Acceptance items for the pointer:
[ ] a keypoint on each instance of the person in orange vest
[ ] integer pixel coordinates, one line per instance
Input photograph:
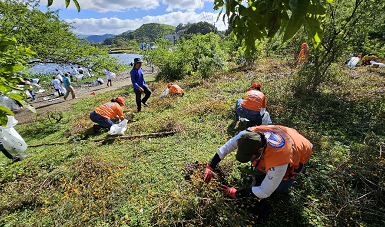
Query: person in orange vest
(366, 60)
(279, 152)
(253, 106)
(104, 113)
(303, 55)
(174, 89)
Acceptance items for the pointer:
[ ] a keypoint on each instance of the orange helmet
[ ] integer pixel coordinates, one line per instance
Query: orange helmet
(120, 99)
(304, 45)
(359, 56)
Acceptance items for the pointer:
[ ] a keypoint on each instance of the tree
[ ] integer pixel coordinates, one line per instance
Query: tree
(50, 37)
(12, 60)
(256, 19)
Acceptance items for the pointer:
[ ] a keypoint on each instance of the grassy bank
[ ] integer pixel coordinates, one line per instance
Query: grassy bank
(158, 181)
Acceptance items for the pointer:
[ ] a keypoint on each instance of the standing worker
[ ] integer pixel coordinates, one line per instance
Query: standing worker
(104, 113)
(279, 152)
(139, 84)
(56, 85)
(67, 85)
(303, 54)
(253, 106)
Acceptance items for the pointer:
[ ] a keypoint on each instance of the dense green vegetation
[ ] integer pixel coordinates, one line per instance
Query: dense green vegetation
(146, 33)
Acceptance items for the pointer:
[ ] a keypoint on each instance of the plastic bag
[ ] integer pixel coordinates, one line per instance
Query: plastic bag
(118, 129)
(79, 76)
(11, 140)
(164, 93)
(113, 75)
(266, 120)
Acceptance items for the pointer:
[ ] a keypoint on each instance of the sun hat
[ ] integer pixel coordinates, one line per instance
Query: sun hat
(248, 144)
(120, 99)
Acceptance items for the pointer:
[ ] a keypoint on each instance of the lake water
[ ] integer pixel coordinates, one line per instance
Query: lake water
(50, 67)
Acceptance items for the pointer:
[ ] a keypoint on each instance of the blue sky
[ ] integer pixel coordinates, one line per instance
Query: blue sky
(98, 17)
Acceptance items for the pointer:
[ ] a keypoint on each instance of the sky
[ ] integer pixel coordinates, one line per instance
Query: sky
(99, 17)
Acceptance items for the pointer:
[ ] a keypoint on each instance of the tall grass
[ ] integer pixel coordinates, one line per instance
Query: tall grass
(158, 181)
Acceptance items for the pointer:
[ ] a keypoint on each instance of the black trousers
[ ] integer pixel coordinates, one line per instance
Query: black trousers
(139, 99)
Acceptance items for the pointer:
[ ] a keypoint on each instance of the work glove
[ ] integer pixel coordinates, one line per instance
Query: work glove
(229, 191)
(208, 174)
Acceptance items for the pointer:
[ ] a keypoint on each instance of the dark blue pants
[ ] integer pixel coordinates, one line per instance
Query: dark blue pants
(139, 99)
(102, 121)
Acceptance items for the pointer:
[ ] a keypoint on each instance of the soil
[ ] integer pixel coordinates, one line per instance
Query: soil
(82, 91)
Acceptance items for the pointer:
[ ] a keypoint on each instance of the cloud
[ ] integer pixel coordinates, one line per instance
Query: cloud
(103, 6)
(117, 26)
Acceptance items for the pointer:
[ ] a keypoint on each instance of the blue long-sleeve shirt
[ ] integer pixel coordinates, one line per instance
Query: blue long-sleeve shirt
(137, 78)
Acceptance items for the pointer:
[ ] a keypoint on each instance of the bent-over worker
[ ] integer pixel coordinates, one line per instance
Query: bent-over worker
(279, 152)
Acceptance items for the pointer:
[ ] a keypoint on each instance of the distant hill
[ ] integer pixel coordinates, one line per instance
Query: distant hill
(146, 33)
(99, 38)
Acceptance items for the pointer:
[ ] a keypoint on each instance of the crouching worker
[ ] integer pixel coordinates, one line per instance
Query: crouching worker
(253, 106)
(104, 113)
(277, 151)
(174, 89)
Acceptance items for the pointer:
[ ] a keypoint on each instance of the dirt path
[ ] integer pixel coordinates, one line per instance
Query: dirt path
(43, 106)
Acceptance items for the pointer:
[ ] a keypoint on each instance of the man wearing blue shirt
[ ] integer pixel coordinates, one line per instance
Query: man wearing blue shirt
(139, 84)
(67, 85)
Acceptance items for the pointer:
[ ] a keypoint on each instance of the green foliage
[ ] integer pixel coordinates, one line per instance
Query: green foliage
(257, 19)
(201, 54)
(147, 33)
(50, 37)
(67, 3)
(12, 59)
(201, 27)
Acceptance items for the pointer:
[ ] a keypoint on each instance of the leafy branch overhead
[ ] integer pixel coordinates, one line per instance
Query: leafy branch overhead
(12, 59)
(67, 3)
(256, 19)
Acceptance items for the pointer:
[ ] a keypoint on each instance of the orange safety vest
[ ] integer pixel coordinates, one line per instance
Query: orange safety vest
(283, 146)
(303, 56)
(109, 110)
(367, 59)
(254, 100)
(175, 89)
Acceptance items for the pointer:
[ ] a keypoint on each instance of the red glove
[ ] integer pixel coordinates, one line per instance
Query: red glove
(229, 191)
(208, 174)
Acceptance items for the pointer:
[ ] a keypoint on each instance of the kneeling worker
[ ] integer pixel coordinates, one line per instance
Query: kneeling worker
(253, 106)
(277, 151)
(174, 89)
(104, 113)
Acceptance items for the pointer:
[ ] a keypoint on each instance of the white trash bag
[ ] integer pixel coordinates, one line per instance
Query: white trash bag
(118, 129)
(266, 120)
(164, 93)
(113, 75)
(11, 140)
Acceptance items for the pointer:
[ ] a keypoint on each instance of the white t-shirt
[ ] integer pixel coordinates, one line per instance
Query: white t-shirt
(74, 71)
(35, 81)
(100, 80)
(108, 75)
(56, 84)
